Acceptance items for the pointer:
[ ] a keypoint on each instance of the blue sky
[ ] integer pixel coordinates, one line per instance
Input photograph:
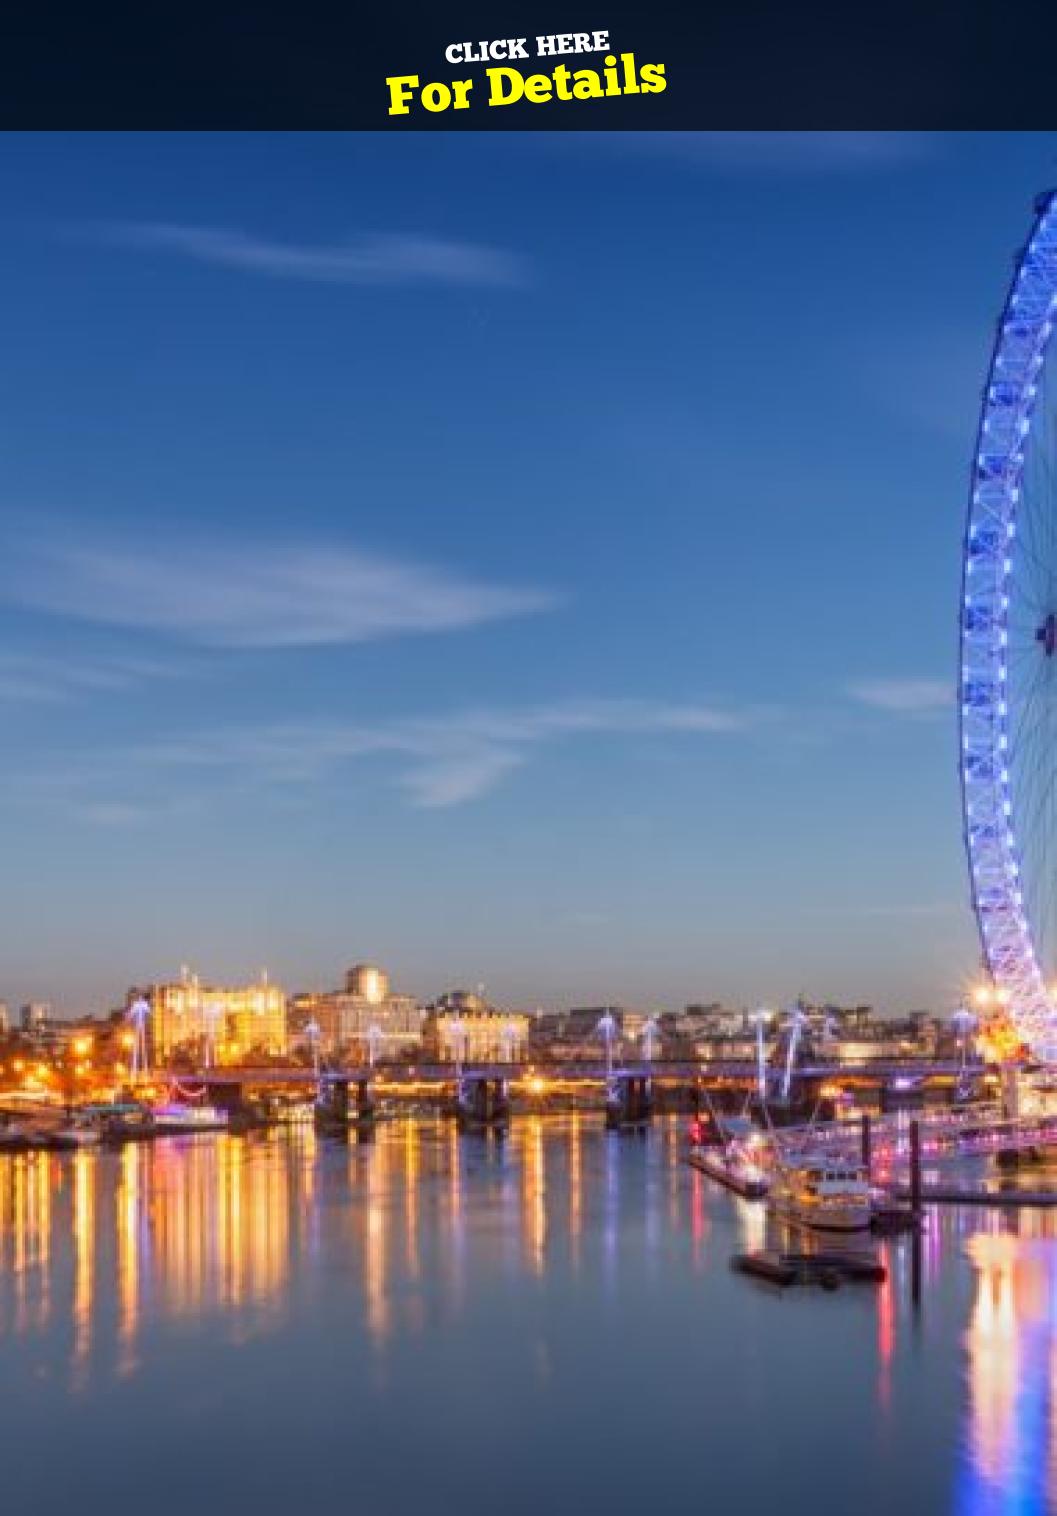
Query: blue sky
(529, 558)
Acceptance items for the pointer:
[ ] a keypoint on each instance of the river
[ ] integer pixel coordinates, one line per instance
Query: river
(548, 1323)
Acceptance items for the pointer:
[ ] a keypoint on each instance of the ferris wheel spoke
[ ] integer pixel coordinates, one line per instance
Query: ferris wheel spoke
(1009, 646)
(1044, 910)
(1029, 709)
(1028, 549)
(1035, 820)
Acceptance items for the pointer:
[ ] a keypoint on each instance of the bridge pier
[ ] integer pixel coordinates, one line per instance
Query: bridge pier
(629, 1101)
(345, 1101)
(809, 1097)
(226, 1096)
(482, 1102)
(896, 1096)
(366, 1112)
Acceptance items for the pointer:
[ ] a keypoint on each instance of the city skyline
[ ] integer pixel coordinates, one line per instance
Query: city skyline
(555, 588)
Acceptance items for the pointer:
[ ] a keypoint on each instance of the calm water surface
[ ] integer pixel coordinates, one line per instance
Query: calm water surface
(549, 1323)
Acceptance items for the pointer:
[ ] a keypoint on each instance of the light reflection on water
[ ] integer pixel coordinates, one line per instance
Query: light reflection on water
(1012, 1352)
(281, 1285)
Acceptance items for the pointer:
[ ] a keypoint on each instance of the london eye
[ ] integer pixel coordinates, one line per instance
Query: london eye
(1008, 684)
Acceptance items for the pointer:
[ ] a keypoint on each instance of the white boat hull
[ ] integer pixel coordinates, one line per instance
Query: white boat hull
(73, 1137)
(830, 1218)
(744, 1179)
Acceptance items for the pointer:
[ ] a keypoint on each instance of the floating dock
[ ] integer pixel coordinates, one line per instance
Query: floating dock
(945, 1195)
(829, 1270)
(750, 1186)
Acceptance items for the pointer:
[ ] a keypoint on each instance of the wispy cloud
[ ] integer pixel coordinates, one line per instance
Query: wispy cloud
(438, 762)
(111, 813)
(45, 679)
(910, 697)
(783, 152)
(375, 258)
(442, 761)
(251, 596)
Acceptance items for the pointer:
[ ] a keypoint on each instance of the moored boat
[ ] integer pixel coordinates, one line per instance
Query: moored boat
(734, 1169)
(729, 1149)
(15, 1137)
(78, 1132)
(822, 1192)
(176, 1116)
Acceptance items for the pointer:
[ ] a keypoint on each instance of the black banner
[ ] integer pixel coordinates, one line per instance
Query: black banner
(483, 67)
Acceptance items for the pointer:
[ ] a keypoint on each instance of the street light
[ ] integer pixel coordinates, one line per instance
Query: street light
(138, 1012)
(964, 1020)
(312, 1033)
(607, 1030)
(760, 1018)
(457, 1033)
(211, 1015)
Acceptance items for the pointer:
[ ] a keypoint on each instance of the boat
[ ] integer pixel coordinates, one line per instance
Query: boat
(175, 1117)
(78, 1132)
(733, 1158)
(129, 1122)
(728, 1167)
(821, 1191)
(16, 1137)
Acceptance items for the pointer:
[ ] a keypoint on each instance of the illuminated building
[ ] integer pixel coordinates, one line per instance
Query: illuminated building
(464, 1027)
(365, 982)
(365, 1012)
(214, 1024)
(33, 1018)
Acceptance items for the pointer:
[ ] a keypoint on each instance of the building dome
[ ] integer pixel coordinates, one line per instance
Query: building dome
(463, 1001)
(368, 983)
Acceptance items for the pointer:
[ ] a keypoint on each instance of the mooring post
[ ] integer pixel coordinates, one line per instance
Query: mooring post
(915, 1166)
(227, 1096)
(339, 1099)
(364, 1103)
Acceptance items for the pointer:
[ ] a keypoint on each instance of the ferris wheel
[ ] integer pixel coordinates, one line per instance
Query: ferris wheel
(1009, 649)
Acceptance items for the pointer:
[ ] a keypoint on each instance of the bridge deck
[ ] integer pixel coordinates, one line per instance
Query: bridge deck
(671, 1069)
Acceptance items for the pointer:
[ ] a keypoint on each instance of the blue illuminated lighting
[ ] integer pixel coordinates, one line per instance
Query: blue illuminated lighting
(989, 711)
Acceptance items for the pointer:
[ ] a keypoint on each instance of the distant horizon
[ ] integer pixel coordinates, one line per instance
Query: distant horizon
(528, 1006)
(555, 588)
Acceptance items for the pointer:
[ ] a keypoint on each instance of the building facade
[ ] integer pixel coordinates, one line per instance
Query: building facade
(463, 1027)
(34, 1017)
(363, 1019)
(215, 1024)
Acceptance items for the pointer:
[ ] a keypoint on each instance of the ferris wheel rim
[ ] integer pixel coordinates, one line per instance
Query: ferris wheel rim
(994, 852)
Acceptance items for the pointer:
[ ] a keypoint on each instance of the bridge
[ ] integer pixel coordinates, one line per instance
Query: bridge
(480, 1092)
(876, 1070)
